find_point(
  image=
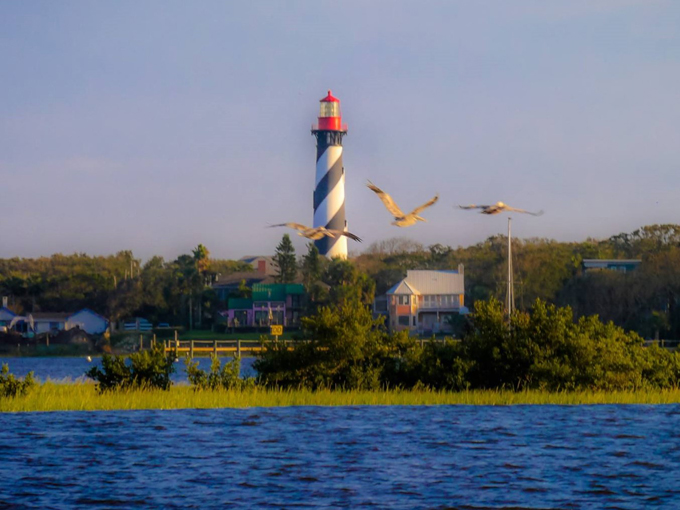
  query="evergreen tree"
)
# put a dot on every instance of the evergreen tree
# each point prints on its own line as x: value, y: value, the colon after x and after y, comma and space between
x: 311, y: 266
x: 285, y: 261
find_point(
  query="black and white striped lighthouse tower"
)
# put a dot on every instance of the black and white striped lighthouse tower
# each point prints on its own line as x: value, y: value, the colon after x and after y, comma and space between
x: 329, y: 191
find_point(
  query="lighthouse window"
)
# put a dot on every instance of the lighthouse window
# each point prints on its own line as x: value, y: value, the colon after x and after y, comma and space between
x: 329, y: 109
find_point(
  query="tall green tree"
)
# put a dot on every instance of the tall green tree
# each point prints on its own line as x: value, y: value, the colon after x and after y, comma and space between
x: 311, y: 266
x: 347, y: 283
x: 285, y: 261
x: 202, y: 258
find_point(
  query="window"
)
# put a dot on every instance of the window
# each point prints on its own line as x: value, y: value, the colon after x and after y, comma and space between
x: 329, y: 109
x: 414, y: 320
x: 403, y: 300
x: 403, y: 320
x: 240, y: 318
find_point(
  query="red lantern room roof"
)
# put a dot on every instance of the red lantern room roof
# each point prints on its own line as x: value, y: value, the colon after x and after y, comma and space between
x: 330, y: 99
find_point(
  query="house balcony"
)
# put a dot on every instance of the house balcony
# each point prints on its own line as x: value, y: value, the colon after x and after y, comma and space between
x: 450, y: 307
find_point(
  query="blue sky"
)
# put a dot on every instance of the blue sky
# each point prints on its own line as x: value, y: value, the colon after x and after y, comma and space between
x: 158, y: 125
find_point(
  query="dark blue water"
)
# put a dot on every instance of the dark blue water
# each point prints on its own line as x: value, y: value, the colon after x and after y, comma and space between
x: 74, y: 368
x: 344, y: 457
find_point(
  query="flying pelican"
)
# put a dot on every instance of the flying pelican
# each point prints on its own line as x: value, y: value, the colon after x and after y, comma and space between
x: 401, y: 219
x: 317, y: 232
x: 498, y: 207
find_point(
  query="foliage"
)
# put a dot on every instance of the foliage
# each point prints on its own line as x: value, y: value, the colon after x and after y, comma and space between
x: 349, y: 350
x: 149, y: 369
x: 347, y: 283
x: 11, y: 386
x: 311, y: 266
x: 116, y: 286
x: 119, y: 286
x: 227, y: 377
x: 542, y: 350
x: 285, y: 261
x: 546, y: 349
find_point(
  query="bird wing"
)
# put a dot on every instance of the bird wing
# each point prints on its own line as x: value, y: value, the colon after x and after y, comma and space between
x: 473, y: 206
x: 337, y: 233
x: 507, y: 207
x: 387, y: 200
x: 427, y: 204
x: 296, y: 226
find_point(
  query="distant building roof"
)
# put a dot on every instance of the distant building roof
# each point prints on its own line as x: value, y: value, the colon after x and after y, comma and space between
x: 611, y: 261
x: 7, y: 311
x: 261, y: 263
x: 623, y: 265
x: 250, y: 277
x: 49, y: 316
x: 276, y: 291
x: 430, y: 282
x: 403, y: 288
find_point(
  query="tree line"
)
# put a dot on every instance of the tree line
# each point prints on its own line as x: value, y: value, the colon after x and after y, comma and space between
x: 179, y: 291
x: 117, y: 286
x: 645, y: 300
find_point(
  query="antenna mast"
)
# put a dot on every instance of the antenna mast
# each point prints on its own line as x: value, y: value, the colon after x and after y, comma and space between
x: 510, y: 296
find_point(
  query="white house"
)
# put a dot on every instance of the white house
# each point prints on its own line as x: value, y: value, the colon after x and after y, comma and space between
x: 6, y: 316
x: 89, y: 321
x: 424, y: 300
x: 53, y: 322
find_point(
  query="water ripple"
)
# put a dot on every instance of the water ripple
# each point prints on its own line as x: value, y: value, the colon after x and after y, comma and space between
x: 346, y: 457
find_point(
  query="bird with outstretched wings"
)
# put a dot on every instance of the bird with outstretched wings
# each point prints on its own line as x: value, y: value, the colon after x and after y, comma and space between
x: 498, y: 207
x: 317, y: 232
x: 401, y: 219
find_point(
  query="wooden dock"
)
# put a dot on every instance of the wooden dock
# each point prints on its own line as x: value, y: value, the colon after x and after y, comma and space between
x: 240, y: 348
x: 250, y: 348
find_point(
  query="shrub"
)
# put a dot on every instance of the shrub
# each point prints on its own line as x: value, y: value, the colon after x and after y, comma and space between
x: 150, y: 369
x: 11, y: 386
x: 349, y: 350
x: 546, y: 349
x: 227, y: 377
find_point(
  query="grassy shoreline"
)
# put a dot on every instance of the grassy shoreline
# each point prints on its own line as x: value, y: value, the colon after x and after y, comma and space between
x: 83, y: 397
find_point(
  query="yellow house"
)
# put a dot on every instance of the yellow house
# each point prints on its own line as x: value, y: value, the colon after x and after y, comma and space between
x: 423, y: 301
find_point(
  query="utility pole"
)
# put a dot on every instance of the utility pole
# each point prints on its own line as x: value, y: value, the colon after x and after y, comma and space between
x: 510, y: 296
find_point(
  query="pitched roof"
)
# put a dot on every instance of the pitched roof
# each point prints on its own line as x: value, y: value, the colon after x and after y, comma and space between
x: 403, y: 288
x: 5, y: 309
x: 276, y: 291
x: 250, y: 258
x: 92, y: 312
x: 50, y: 316
x: 249, y: 276
x: 429, y: 282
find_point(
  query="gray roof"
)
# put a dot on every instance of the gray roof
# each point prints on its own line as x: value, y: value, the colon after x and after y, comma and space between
x: 611, y: 261
x: 427, y: 282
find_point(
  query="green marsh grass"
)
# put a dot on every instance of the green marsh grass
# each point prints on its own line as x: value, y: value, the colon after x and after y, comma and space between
x: 52, y: 396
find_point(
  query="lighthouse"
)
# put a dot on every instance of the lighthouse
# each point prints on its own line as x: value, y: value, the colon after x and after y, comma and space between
x: 329, y: 190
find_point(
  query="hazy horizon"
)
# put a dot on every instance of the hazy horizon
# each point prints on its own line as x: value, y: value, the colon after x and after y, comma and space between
x: 157, y: 126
